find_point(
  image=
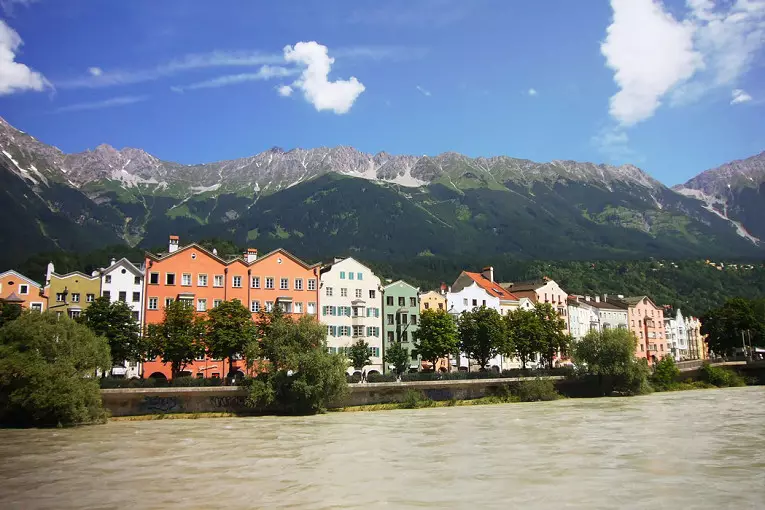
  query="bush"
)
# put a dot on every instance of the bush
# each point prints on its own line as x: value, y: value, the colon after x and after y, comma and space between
x: 414, y: 399
x: 537, y: 390
x: 721, y: 377
x: 665, y: 374
x: 378, y: 378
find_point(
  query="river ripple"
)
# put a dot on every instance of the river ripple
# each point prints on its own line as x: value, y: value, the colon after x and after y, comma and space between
x: 698, y: 449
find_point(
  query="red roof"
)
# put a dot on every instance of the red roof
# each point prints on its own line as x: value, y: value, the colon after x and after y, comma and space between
x: 493, y: 288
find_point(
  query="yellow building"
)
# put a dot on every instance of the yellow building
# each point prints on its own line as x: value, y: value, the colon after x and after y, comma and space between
x: 71, y: 293
x: 433, y: 300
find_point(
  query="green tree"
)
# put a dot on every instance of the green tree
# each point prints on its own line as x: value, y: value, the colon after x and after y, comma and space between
x: 178, y: 339
x: 610, y: 355
x: 358, y: 354
x: 437, y: 336
x: 47, y: 368
x: 230, y: 330
x: 525, y: 331
x: 482, y: 334
x: 398, y: 356
x: 9, y: 312
x: 115, y: 322
x: 726, y: 325
x: 553, y: 338
x: 665, y: 374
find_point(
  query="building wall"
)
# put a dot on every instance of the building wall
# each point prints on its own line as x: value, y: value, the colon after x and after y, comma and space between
x: 24, y: 288
x: 296, y: 298
x: 550, y: 293
x: 399, y: 295
x: 472, y: 296
x: 119, y: 278
x: 433, y: 300
x: 338, y: 294
x: 72, y: 293
x: 647, y: 322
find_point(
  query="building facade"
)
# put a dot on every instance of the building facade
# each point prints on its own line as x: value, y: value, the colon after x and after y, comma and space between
x: 351, y: 308
x: 401, y: 308
x: 203, y: 280
x: 646, y: 321
x: 542, y: 291
x: 433, y: 300
x: 676, y: 335
x: 17, y: 288
x: 72, y: 293
x: 583, y: 316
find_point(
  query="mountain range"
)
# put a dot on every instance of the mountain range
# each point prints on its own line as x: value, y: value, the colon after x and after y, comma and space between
x: 326, y: 202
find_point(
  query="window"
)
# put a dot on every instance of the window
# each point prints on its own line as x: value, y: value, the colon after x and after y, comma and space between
x: 389, y: 300
x: 404, y: 318
x: 358, y: 293
x: 440, y: 306
x: 413, y: 320
x: 390, y: 336
x: 90, y: 298
x: 390, y: 319
x: 152, y: 303
x: 358, y: 331
x: 107, y: 294
x: 254, y: 306
x: 168, y: 301
x: 217, y: 302
x: 484, y: 302
x: 311, y: 284
x: 186, y: 279
x: 201, y: 305
x: 285, y: 306
x: 108, y: 278
x: 73, y: 314
x: 136, y: 297
x: 23, y: 288
x: 358, y: 276
x: 343, y: 292
x: 284, y: 283
x: 269, y: 282
x: 401, y: 301
x: 189, y: 302
x: 465, y: 301
x: 201, y: 280
x: 154, y: 278
x: 218, y: 280
x: 342, y: 275
x: 236, y: 282
x: 122, y: 296
x: 201, y: 357
x: 269, y: 306
x: 36, y: 307
x: 475, y: 302
x: 298, y: 284
x: 372, y: 294
x: 328, y: 291
x: 298, y: 307
x: 350, y: 276
x: 373, y: 331
x: 404, y: 336
x: 311, y: 308
x: 331, y: 331
x: 75, y: 297
x: 412, y: 302
x: 169, y: 278
x: 374, y: 352
x: 426, y: 305
x: 137, y: 280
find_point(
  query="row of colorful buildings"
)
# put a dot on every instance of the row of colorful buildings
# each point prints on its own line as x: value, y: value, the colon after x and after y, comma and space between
x: 344, y: 295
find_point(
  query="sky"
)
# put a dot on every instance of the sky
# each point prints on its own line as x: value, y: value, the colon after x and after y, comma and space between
x: 674, y: 86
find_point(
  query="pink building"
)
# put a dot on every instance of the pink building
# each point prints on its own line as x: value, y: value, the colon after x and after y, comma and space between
x: 646, y: 320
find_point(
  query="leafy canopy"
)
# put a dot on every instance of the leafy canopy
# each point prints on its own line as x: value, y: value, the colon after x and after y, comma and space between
x: 115, y: 322
x: 178, y: 339
x: 358, y: 354
x: 230, y: 330
x: 436, y: 337
x: 482, y: 334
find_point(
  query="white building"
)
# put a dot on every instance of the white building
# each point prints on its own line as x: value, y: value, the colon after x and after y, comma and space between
x: 583, y: 317
x: 123, y: 281
x: 350, y: 299
x: 610, y: 315
x: 677, y: 337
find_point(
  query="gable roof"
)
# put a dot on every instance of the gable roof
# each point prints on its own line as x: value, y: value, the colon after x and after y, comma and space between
x: 164, y: 256
x: 123, y: 262
x: 607, y: 305
x: 526, y: 286
x: 287, y: 254
x: 491, y: 288
x: 401, y: 282
x: 240, y: 259
x: 19, y: 275
x: 76, y: 273
x: 328, y: 267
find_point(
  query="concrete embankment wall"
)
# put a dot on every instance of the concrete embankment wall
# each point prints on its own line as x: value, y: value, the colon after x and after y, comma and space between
x: 142, y: 401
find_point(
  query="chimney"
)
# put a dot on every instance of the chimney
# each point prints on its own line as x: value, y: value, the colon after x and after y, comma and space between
x: 586, y: 298
x: 597, y: 299
x: 444, y: 288
x: 173, y: 246
x: 605, y: 298
x: 113, y: 261
x: 251, y: 255
x: 488, y: 273
x: 49, y: 272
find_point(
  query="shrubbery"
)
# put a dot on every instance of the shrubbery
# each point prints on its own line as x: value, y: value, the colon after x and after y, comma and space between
x: 537, y: 390
x: 721, y: 377
x: 665, y: 374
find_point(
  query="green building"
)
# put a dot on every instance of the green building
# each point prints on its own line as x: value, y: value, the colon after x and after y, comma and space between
x: 401, y: 311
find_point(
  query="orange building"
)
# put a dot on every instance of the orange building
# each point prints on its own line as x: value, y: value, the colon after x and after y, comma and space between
x: 204, y: 280
x: 17, y: 288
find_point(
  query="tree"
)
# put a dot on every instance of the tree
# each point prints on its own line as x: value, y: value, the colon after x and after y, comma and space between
x: 115, y: 322
x: 9, y: 312
x: 398, y: 356
x: 358, y: 354
x: 553, y: 338
x: 524, y: 331
x: 178, y: 338
x: 482, y: 334
x: 610, y: 354
x: 47, y: 366
x: 230, y: 330
x: 665, y: 373
x: 725, y: 325
x: 437, y: 336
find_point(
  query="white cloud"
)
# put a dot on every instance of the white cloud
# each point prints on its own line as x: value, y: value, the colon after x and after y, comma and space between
x: 739, y: 96
x: 264, y: 73
x: 532, y: 92
x: 338, y: 95
x: 15, y: 76
x: 284, y: 90
x: 655, y: 55
x: 95, y: 71
x: 650, y: 53
x: 424, y: 92
x: 613, y: 142
x: 98, y: 105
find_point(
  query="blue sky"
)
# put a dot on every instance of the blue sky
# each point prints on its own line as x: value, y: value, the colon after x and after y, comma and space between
x: 675, y: 87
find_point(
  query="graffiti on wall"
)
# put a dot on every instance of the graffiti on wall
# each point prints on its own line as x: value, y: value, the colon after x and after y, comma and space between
x: 438, y: 393
x: 228, y: 402
x: 152, y: 404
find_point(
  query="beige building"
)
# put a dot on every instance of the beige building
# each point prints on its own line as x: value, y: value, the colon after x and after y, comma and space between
x: 71, y: 293
x: 433, y: 300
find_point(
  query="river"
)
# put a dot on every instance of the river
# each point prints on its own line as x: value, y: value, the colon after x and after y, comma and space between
x: 697, y: 449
